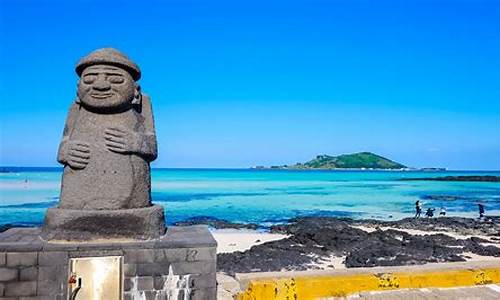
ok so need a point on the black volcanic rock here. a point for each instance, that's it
(5, 227)
(315, 237)
(395, 248)
(271, 256)
(215, 223)
(459, 225)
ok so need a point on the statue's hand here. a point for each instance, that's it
(121, 140)
(78, 154)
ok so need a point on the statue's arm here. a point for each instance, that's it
(140, 142)
(62, 154)
(148, 145)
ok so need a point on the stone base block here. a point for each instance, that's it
(82, 225)
(181, 264)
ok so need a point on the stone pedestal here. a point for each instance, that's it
(79, 225)
(186, 256)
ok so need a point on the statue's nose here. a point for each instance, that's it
(101, 84)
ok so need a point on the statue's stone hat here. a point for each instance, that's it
(109, 56)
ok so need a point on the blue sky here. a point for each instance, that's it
(260, 83)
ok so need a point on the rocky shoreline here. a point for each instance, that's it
(485, 178)
(312, 239)
(216, 223)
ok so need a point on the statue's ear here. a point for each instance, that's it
(77, 100)
(137, 95)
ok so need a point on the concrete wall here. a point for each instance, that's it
(341, 283)
(180, 266)
(19, 275)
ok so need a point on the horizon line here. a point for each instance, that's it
(273, 169)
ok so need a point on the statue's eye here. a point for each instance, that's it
(88, 79)
(116, 79)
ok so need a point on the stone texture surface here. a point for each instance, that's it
(108, 142)
(139, 256)
(181, 262)
(20, 288)
(72, 224)
(28, 273)
(52, 258)
(203, 294)
(15, 259)
(8, 274)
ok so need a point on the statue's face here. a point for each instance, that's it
(106, 87)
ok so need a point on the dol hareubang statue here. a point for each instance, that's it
(109, 137)
(108, 142)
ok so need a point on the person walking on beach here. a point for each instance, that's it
(481, 210)
(418, 209)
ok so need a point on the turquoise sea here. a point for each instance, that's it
(266, 196)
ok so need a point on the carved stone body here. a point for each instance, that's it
(108, 142)
(110, 180)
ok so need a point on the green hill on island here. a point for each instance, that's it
(362, 160)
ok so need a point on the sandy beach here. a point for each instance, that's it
(232, 240)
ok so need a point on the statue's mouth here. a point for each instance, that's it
(101, 95)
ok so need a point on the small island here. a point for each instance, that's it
(358, 161)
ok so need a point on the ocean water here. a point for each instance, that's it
(266, 196)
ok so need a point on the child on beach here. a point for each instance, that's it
(430, 213)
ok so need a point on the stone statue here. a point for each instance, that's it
(108, 142)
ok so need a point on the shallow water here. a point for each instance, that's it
(267, 196)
